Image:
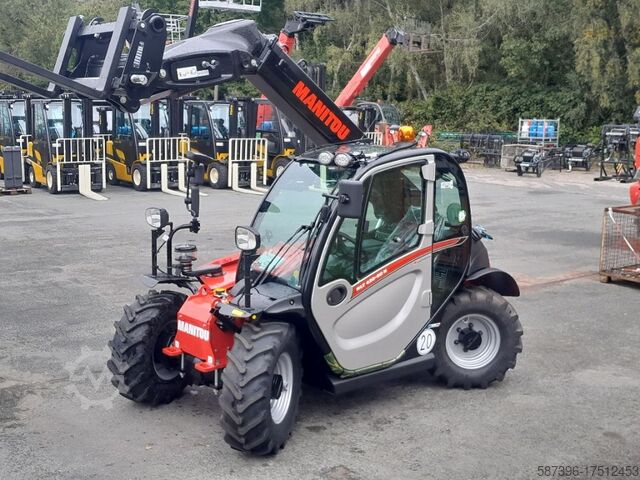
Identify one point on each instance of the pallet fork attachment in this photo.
(226, 52)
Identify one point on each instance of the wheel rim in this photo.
(214, 176)
(137, 178)
(280, 406)
(110, 174)
(166, 368)
(479, 336)
(279, 170)
(32, 176)
(50, 180)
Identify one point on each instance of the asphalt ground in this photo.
(69, 264)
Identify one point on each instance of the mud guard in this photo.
(497, 280)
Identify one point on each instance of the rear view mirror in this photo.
(350, 198)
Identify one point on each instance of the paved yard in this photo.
(69, 264)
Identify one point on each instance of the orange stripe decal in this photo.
(385, 271)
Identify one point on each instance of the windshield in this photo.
(55, 122)
(294, 201)
(391, 114)
(142, 121)
(220, 120)
(18, 118)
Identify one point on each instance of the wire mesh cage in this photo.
(620, 250)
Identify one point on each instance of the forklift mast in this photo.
(105, 69)
(378, 55)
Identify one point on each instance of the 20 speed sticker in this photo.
(426, 341)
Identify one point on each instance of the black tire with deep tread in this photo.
(246, 388)
(133, 344)
(482, 301)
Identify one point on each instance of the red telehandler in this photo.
(381, 120)
(362, 257)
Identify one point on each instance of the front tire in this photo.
(479, 339)
(51, 175)
(31, 177)
(139, 178)
(279, 165)
(261, 387)
(218, 176)
(112, 178)
(141, 372)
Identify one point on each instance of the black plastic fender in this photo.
(497, 280)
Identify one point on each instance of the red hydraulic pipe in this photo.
(378, 55)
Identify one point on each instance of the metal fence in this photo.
(620, 250)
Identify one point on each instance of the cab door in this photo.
(198, 128)
(372, 292)
(6, 134)
(125, 141)
(42, 149)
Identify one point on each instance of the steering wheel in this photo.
(342, 239)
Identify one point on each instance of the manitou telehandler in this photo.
(360, 265)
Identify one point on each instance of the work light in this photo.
(157, 217)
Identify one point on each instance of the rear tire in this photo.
(483, 321)
(139, 178)
(218, 176)
(259, 412)
(141, 372)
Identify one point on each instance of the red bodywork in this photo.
(367, 70)
(634, 189)
(198, 335)
(287, 42)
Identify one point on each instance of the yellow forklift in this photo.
(61, 152)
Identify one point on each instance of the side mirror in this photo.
(350, 198)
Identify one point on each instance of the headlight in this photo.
(157, 217)
(325, 158)
(247, 239)
(343, 159)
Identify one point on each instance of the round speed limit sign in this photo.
(426, 341)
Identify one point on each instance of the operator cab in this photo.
(310, 248)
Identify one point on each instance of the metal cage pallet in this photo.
(620, 249)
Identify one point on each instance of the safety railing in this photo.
(164, 151)
(376, 137)
(248, 153)
(82, 152)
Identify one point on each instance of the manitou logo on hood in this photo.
(192, 330)
(321, 111)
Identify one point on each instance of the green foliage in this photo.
(490, 61)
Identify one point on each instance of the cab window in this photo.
(39, 124)
(199, 121)
(124, 129)
(5, 120)
(220, 120)
(451, 220)
(388, 229)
